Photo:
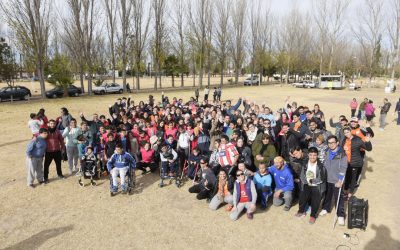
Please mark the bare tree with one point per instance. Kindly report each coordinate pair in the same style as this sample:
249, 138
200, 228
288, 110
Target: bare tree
209, 45
255, 32
394, 34
198, 30
223, 9
30, 21
111, 7
368, 34
237, 30
159, 9
180, 45
140, 32
124, 14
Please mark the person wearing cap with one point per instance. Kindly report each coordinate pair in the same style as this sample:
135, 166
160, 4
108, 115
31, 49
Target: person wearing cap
244, 196
354, 148
35, 152
358, 131
313, 178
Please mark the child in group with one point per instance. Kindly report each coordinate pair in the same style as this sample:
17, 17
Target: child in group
168, 160
147, 162
119, 164
34, 124
263, 180
194, 163
81, 150
110, 146
88, 164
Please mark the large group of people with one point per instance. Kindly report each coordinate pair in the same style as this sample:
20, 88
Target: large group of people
239, 155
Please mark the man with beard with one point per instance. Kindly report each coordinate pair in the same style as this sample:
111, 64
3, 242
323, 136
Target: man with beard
55, 147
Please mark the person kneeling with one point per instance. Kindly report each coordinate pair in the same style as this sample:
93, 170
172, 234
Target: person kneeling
262, 180
119, 164
222, 192
283, 183
207, 182
244, 196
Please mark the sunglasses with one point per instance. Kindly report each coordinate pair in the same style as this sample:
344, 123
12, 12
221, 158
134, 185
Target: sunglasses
202, 163
238, 175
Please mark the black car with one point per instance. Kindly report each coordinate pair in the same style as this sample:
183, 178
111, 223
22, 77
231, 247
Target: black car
16, 92
59, 92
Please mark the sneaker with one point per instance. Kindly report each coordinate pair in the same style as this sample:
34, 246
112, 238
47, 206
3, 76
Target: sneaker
341, 221
46, 182
250, 216
300, 215
312, 220
41, 182
285, 208
308, 210
61, 177
123, 188
382, 129
323, 212
31, 186
114, 189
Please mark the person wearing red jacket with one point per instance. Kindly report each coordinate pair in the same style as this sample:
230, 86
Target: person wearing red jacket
55, 147
147, 161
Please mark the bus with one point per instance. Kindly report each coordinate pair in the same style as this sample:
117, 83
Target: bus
332, 82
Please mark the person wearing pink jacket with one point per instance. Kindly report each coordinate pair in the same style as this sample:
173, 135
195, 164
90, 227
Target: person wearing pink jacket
353, 107
369, 111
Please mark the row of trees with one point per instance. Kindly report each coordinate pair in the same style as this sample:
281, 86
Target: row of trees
203, 37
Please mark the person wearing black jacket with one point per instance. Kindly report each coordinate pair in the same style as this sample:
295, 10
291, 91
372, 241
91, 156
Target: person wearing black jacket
354, 148
313, 179
222, 191
207, 182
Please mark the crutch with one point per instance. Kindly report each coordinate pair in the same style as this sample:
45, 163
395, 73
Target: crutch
337, 202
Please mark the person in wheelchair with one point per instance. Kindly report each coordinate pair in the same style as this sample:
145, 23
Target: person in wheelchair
120, 163
88, 166
168, 161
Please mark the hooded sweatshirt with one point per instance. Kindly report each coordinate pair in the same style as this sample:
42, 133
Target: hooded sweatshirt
121, 161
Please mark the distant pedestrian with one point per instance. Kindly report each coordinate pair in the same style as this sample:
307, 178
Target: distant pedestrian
128, 88
353, 107
398, 111
384, 110
206, 92
197, 94
35, 152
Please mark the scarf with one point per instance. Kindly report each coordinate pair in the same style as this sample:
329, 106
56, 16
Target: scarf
221, 186
332, 154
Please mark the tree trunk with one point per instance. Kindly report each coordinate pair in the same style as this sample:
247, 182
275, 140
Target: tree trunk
222, 77
182, 80
173, 81
81, 77
137, 81
41, 79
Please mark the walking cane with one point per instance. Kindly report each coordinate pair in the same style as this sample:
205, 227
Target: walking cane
337, 204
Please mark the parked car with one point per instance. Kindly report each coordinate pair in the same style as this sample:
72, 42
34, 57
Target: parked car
107, 88
354, 86
305, 84
251, 81
59, 92
299, 84
16, 92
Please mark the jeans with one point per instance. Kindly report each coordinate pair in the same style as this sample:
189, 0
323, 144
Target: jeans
310, 193
239, 208
382, 120
172, 168
34, 167
48, 158
217, 200
352, 175
200, 190
332, 193
353, 112
263, 197
73, 156
121, 172
285, 197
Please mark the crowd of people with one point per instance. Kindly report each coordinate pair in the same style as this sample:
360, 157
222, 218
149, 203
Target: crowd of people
239, 155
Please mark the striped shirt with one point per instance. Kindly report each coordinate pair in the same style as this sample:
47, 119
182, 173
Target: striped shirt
226, 154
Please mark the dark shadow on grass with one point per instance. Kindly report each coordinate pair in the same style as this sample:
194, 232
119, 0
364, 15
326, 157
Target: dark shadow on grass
13, 142
382, 240
36, 240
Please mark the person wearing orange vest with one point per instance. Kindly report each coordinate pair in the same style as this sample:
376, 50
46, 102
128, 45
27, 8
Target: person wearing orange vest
352, 146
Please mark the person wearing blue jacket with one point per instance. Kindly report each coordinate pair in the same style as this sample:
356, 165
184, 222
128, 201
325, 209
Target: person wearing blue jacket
35, 152
119, 164
263, 180
284, 186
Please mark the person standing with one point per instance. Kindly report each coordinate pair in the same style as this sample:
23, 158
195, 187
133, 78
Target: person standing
197, 94
397, 109
206, 92
219, 93
35, 152
55, 147
353, 107
336, 165
70, 134
313, 179
361, 109
384, 110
